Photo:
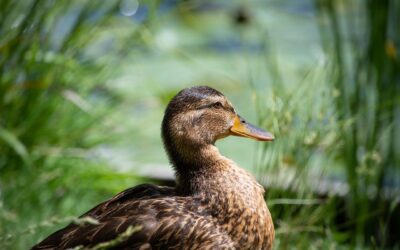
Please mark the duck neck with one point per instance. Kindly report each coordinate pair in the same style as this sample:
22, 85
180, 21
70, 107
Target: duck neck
196, 166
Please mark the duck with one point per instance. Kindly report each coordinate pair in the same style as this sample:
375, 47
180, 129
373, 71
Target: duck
215, 204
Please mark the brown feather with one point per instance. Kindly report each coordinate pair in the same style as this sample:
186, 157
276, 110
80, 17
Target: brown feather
215, 205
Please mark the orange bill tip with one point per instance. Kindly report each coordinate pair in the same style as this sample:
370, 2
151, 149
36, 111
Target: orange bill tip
242, 128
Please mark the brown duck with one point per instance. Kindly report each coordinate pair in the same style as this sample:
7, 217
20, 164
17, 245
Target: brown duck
215, 204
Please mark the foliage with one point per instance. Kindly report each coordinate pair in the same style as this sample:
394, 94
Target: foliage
349, 130
54, 108
366, 72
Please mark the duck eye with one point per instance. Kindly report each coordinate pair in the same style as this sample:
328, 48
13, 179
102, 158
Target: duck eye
217, 105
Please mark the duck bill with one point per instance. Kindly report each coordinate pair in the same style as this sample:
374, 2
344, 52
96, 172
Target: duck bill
242, 128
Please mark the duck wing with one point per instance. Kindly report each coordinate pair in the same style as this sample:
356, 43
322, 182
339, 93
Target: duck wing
158, 217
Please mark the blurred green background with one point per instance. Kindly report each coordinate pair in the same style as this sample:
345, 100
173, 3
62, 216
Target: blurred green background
83, 87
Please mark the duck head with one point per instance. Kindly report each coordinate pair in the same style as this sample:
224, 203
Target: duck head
198, 116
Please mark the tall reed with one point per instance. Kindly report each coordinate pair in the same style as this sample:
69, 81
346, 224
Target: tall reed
54, 108
362, 38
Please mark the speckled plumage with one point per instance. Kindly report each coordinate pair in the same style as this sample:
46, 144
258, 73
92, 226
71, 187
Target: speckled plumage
215, 204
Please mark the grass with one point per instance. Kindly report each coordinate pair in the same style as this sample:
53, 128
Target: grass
366, 73
54, 110
347, 132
